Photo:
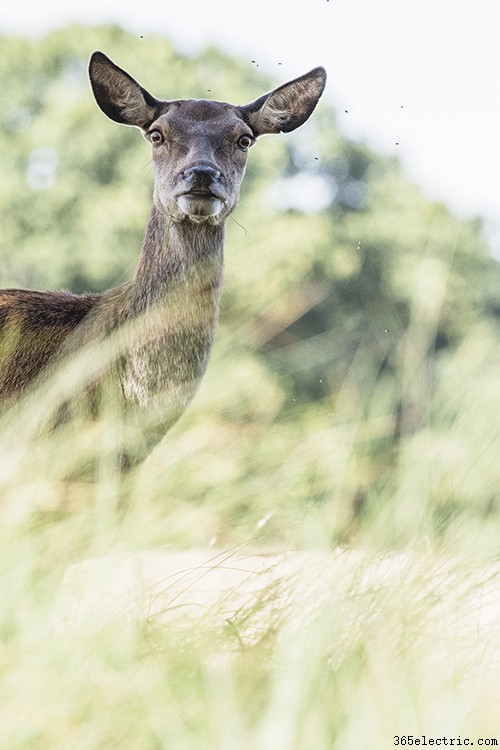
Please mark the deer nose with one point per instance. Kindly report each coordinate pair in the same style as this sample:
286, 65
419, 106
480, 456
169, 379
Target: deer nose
201, 176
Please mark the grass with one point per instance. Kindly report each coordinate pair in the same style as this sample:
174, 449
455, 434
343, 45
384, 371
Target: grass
400, 637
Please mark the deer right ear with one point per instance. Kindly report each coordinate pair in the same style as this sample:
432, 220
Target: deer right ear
119, 96
288, 106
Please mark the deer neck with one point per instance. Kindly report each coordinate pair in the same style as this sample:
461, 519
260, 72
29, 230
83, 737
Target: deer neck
177, 258
173, 305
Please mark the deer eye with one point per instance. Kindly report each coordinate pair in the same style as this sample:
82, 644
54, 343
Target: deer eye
155, 137
245, 141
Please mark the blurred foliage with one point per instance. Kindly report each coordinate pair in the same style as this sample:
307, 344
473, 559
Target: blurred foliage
351, 399
347, 296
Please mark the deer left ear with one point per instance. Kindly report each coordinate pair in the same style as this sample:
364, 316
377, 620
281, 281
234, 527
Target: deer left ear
288, 106
119, 96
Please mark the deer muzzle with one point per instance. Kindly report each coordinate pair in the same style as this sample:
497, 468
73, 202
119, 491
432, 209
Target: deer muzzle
203, 196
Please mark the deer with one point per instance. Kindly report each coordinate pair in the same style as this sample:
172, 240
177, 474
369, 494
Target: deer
165, 317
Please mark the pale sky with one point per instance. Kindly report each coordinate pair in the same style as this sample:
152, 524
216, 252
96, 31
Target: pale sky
420, 74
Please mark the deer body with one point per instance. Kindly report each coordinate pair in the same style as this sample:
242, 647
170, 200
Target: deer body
199, 156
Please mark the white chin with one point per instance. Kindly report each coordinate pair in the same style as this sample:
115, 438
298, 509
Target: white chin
199, 209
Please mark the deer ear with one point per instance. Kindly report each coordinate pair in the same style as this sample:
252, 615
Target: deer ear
288, 106
119, 96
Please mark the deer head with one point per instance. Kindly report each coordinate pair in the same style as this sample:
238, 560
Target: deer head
200, 147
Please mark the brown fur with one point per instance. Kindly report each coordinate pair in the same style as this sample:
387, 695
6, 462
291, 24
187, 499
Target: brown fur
33, 327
